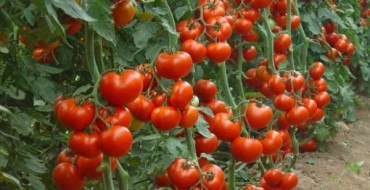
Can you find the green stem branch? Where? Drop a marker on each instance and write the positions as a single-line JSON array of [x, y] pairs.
[[269, 39], [107, 173], [295, 143], [225, 85], [232, 175], [123, 177], [173, 38], [90, 56], [289, 30]]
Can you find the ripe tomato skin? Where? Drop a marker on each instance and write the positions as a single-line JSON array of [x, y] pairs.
[[319, 114], [317, 70], [87, 166], [332, 54], [121, 116], [332, 38], [252, 14], [65, 156], [281, 6], [263, 73], [242, 26], [260, 4], [283, 122], [252, 79], [217, 106], [57, 103], [218, 52], [85, 145], [253, 187], [75, 117], [67, 177], [182, 93], [74, 27], [282, 43], [246, 149], [121, 89], [224, 128], [141, 108], [276, 84], [298, 115], [115, 141], [206, 145], [257, 116], [289, 181], [146, 72], [48, 45], [283, 102], [341, 46], [272, 143], [210, 11], [330, 27], [159, 99], [218, 28], [189, 29], [123, 12], [165, 118], [273, 176], [162, 180], [189, 116], [322, 99], [196, 50], [310, 105], [252, 36], [286, 139], [350, 50], [250, 53], [177, 65], [311, 146], [215, 182], [298, 82], [265, 90], [44, 56], [281, 21], [206, 90], [183, 174]]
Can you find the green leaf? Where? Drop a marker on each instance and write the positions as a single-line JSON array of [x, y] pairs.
[[82, 89], [181, 11], [70, 7], [174, 145], [365, 71], [249, 95], [202, 127], [206, 110], [5, 110], [152, 50], [313, 24], [143, 32], [22, 123], [10, 179], [15, 93], [4, 49], [151, 137], [45, 88], [208, 156], [48, 69], [36, 182], [355, 167]]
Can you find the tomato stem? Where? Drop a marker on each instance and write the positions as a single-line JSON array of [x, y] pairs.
[[225, 84], [89, 54], [99, 54], [269, 40], [295, 143], [239, 76], [107, 173], [173, 37], [232, 174], [289, 30], [190, 143], [123, 177]]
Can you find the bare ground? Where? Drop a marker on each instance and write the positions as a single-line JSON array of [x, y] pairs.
[[328, 170]]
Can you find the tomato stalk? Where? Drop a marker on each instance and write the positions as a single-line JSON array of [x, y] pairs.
[[269, 41], [232, 174], [239, 75], [99, 54], [289, 30], [107, 174], [173, 38], [295, 143], [89, 54], [123, 177], [225, 84]]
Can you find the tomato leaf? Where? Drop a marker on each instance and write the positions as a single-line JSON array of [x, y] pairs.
[[181, 11], [208, 156], [82, 89], [175, 146], [202, 127], [355, 167], [206, 110], [313, 24], [151, 137], [10, 179], [143, 32], [70, 7]]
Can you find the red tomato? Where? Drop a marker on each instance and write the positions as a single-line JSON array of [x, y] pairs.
[[258, 116], [206, 90], [282, 43], [121, 89], [65, 156], [283, 102], [298, 115], [141, 108], [215, 176], [252, 79], [341, 46], [74, 27], [44, 56], [273, 177], [289, 181], [319, 114], [311, 146], [123, 12], [350, 50], [253, 187], [265, 90], [163, 180], [67, 177], [203, 161], [218, 52], [322, 99], [246, 149], [217, 106], [57, 103], [177, 65], [276, 84], [319, 85], [286, 139], [217, 8], [317, 70], [189, 116], [182, 94], [330, 27], [189, 29], [281, 6], [260, 4], [165, 118], [146, 72], [283, 122], [242, 26], [115, 141], [224, 128], [196, 50], [120, 116], [332, 38], [75, 117], [263, 73], [272, 143], [252, 36], [281, 21], [298, 82], [87, 166], [183, 174], [252, 14], [332, 54], [250, 53], [85, 145], [311, 106], [159, 99], [218, 28], [206, 145]]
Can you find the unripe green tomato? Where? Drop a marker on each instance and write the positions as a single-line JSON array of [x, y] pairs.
[[145, 16], [195, 101], [271, 23]]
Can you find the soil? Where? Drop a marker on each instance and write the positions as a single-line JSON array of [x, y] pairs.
[[329, 170]]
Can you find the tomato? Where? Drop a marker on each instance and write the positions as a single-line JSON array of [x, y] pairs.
[[246, 149], [163, 180], [83, 144], [319, 114], [206, 90], [57, 103], [276, 84], [67, 177], [317, 70], [273, 176], [258, 116], [146, 73], [182, 94], [281, 6], [183, 174], [43, 55], [332, 38], [252, 14], [282, 20], [346, 62], [159, 99], [165, 118], [283, 102], [252, 79], [218, 52], [217, 106], [298, 82], [319, 85], [123, 12], [115, 141], [48, 45], [217, 8], [252, 36], [322, 99], [289, 181], [286, 139], [141, 108], [282, 43], [311, 146], [214, 178], [260, 4], [283, 122], [144, 15], [173, 66], [74, 27], [265, 90], [341, 46], [297, 115], [253, 187], [332, 54], [224, 128], [121, 116], [206, 145], [75, 117], [65, 156], [203, 161], [350, 50], [136, 125], [218, 28], [189, 116], [311, 106], [330, 27], [189, 29], [88, 166], [272, 142], [242, 26], [250, 53], [121, 89], [196, 50]]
